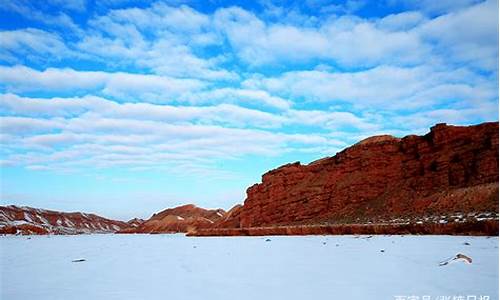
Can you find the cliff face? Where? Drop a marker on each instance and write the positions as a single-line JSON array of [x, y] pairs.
[[28, 220], [451, 169], [179, 219]]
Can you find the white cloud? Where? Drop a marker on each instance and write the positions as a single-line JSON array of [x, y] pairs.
[[160, 38], [171, 41], [467, 36], [91, 109], [159, 88], [126, 86], [330, 119], [227, 114], [33, 11], [159, 16], [22, 126], [29, 44], [482, 111], [384, 87], [103, 143], [167, 58], [74, 133], [55, 107], [246, 97], [436, 7], [20, 78], [73, 5], [348, 7], [401, 21], [257, 44], [346, 40], [132, 87]]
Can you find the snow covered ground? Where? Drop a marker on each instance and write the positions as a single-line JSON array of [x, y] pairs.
[[286, 267]]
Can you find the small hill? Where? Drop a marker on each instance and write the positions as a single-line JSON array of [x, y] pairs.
[[179, 219]]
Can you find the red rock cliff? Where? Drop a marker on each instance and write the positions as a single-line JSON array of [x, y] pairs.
[[450, 169]]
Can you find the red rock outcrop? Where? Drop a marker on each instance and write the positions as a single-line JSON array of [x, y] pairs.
[[28, 220], [135, 222], [383, 179], [179, 219]]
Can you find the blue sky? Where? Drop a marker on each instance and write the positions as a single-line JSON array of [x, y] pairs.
[[125, 108]]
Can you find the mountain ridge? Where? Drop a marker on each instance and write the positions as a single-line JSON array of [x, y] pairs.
[[29, 220]]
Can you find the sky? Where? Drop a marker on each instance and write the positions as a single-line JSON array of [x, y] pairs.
[[124, 108]]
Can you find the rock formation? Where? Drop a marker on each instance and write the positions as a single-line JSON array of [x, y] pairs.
[[135, 222], [448, 175], [179, 219], [28, 220]]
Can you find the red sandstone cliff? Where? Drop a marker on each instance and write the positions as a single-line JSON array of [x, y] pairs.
[[179, 219], [28, 220], [447, 175]]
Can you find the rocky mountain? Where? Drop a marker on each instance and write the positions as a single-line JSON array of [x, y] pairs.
[[28, 220], [448, 175], [135, 222], [179, 219]]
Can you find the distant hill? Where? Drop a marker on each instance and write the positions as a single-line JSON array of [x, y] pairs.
[[28, 220], [179, 219]]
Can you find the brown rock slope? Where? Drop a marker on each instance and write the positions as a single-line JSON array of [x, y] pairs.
[[28, 220], [179, 219], [447, 175]]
